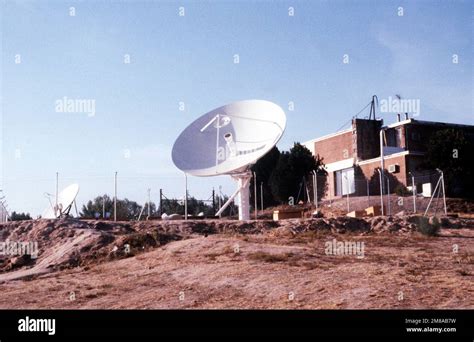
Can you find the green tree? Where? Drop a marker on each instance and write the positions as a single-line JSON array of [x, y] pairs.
[[19, 216], [264, 168], [126, 209], [195, 206], [292, 168], [450, 151]]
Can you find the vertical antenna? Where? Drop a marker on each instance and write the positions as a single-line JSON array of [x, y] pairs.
[[373, 103]]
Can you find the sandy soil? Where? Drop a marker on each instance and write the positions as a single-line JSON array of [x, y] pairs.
[[231, 265]]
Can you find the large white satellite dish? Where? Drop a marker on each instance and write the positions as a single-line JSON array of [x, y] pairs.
[[228, 140], [65, 200]]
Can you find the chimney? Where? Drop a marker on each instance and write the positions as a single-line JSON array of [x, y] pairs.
[[406, 116], [398, 117]]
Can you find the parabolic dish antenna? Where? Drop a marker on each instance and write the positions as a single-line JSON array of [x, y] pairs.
[[228, 140], [65, 200]]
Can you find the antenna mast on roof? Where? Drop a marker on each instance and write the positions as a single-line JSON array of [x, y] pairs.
[[399, 98], [374, 101]]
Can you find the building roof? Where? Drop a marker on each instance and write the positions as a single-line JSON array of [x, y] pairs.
[[392, 125], [327, 136], [424, 122]]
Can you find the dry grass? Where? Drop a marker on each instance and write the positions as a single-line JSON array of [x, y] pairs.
[[228, 250], [268, 257], [267, 267]]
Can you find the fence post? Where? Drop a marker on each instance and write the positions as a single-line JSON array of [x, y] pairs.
[[255, 193], [413, 190], [219, 197], [161, 202], [444, 192], [57, 193], [347, 189], [214, 201], [149, 203], [186, 196], [368, 193], [381, 190], [315, 188], [388, 198], [115, 196]]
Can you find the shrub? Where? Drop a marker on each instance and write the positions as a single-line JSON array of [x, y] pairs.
[[401, 190], [425, 227], [267, 257]]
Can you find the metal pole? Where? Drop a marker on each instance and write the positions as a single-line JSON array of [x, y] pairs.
[[161, 202], [261, 197], [368, 194], [103, 207], [382, 166], [186, 196], [213, 201], [315, 188], [57, 192], [381, 191], [149, 202], [432, 196], [115, 196], [413, 190], [388, 198], [444, 193], [219, 197], [347, 189], [255, 193]]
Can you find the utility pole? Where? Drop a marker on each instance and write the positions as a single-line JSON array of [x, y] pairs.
[[115, 196]]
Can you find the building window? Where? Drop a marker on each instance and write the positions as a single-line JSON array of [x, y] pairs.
[[344, 182]]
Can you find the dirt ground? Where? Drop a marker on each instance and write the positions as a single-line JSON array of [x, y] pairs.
[[214, 264]]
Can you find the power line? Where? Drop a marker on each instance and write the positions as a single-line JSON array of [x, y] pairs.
[[354, 116]]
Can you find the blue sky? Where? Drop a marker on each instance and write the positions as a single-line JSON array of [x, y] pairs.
[[282, 58]]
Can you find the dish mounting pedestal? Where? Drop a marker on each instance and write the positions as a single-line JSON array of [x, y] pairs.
[[243, 184]]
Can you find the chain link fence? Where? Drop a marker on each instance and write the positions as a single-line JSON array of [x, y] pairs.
[[137, 196], [359, 193], [151, 197]]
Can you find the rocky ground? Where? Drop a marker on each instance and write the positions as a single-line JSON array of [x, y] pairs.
[[228, 264]]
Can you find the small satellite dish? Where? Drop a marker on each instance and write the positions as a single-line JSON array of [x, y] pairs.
[[229, 139], [65, 200]]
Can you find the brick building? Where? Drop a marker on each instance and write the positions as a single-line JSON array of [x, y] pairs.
[[352, 156]]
